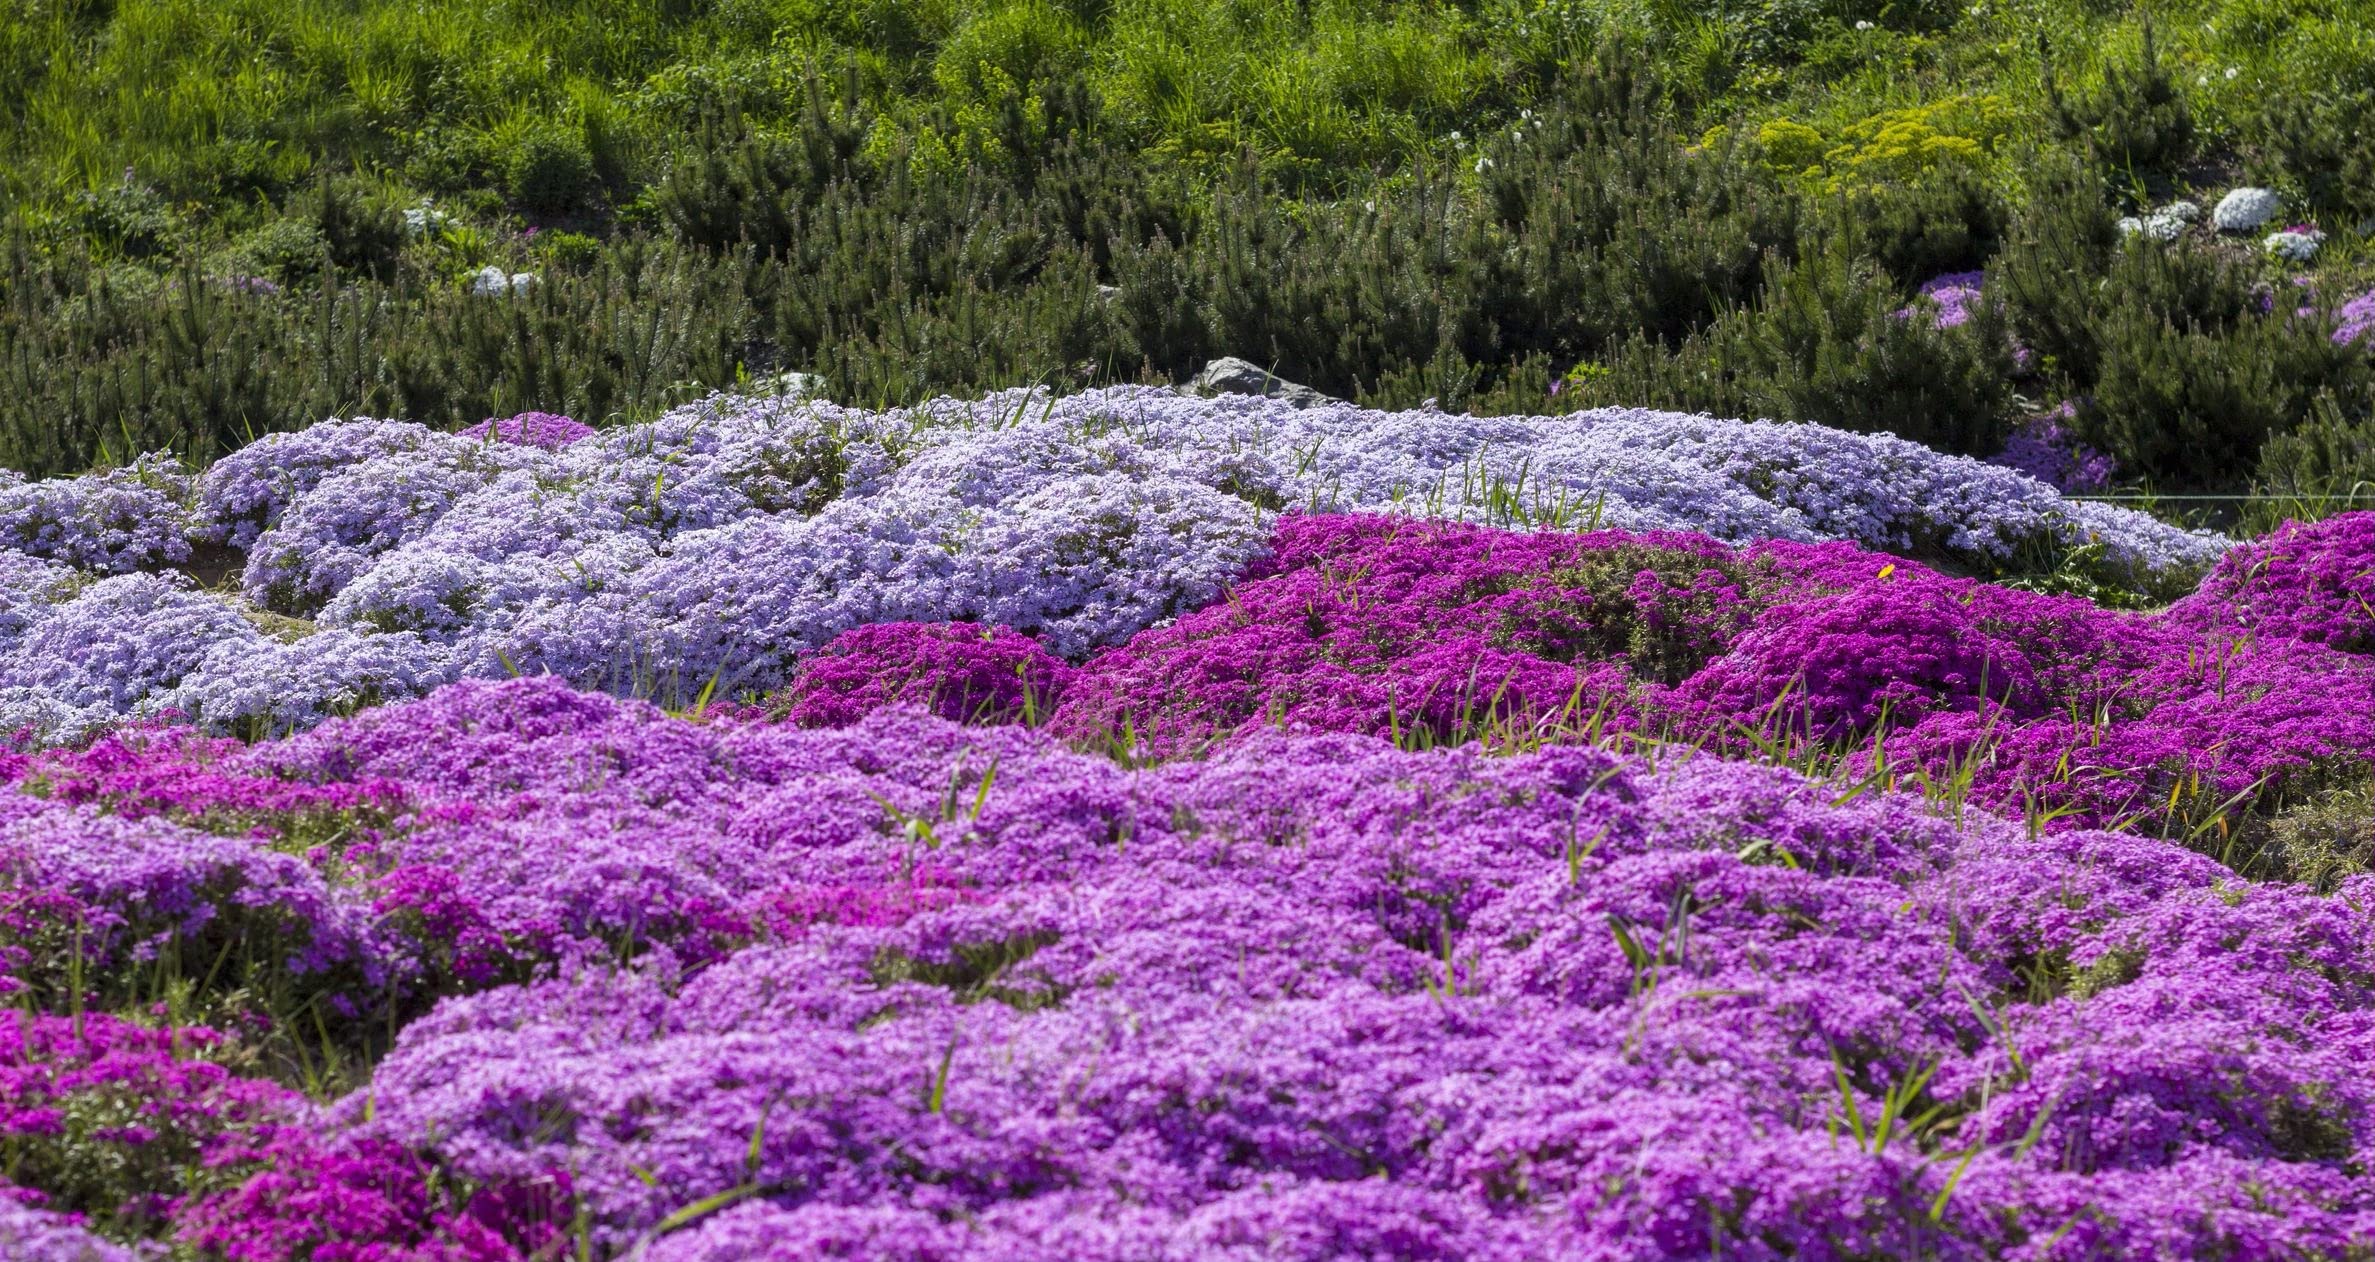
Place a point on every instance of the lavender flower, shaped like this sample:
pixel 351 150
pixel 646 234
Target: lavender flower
pixel 2045 448
pixel 111 522
pixel 244 493
pixel 2357 317
pixel 118 643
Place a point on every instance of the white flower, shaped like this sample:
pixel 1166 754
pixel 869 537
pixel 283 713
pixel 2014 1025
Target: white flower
pixel 423 218
pixel 1863 26
pixel 2232 72
pixel 1483 165
pixel 2294 245
pixel 492 280
pixel 2244 209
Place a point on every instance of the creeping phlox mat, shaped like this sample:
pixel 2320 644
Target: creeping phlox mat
pixel 1134 827
pixel 915 989
pixel 708 550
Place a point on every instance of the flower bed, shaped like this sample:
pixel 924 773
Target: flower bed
pixel 915 989
pixel 1134 827
pixel 709 550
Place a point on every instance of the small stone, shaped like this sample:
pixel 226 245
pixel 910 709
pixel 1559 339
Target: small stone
pixel 797 385
pixel 2245 209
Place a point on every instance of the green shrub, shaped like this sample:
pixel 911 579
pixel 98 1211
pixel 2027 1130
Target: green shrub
pixel 285 251
pixel 2324 837
pixel 2189 358
pixel 1830 340
pixel 2327 466
pixel 87 365
pixel 127 219
pixel 739 183
pixel 2138 121
pixel 363 232
pixel 2192 403
pixel 2324 145
pixel 1953 221
pixel 547 169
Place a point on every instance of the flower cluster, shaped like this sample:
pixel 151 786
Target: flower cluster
pixel 1952 295
pixel 1438 632
pixel 2356 317
pixel 2304 582
pixel 105 1120
pixel 537 429
pixel 108 523
pixel 708 551
pixel 914 989
pixel 2045 448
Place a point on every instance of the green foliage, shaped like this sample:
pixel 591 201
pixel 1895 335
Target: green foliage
pixel 362 232
pixel 2326 836
pixel 2136 122
pixel 2189 358
pixel 1831 340
pixel 126 218
pixel 92 366
pixel 285 251
pixel 1953 221
pixel 1952 137
pixel 2324 145
pixel 2193 402
pixel 1665 612
pixel 1683 203
pixel 2327 466
pixel 547 169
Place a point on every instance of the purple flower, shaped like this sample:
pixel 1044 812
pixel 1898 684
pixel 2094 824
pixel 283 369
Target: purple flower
pixel 2044 448
pixel 536 429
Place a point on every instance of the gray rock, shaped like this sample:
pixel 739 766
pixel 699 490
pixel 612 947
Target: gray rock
pixel 2245 209
pixel 796 385
pixel 1231 375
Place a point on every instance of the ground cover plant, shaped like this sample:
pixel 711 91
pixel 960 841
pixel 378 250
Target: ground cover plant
pixel 908 988
pixel 1125 824
pixel 706 552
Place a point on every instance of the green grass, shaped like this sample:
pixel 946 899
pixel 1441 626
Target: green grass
pixel 223 106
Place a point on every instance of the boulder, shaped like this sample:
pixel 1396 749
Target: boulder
pixel 795 385
pixel 1231 375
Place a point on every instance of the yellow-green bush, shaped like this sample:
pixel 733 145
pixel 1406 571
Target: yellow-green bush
pixel 1893 146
